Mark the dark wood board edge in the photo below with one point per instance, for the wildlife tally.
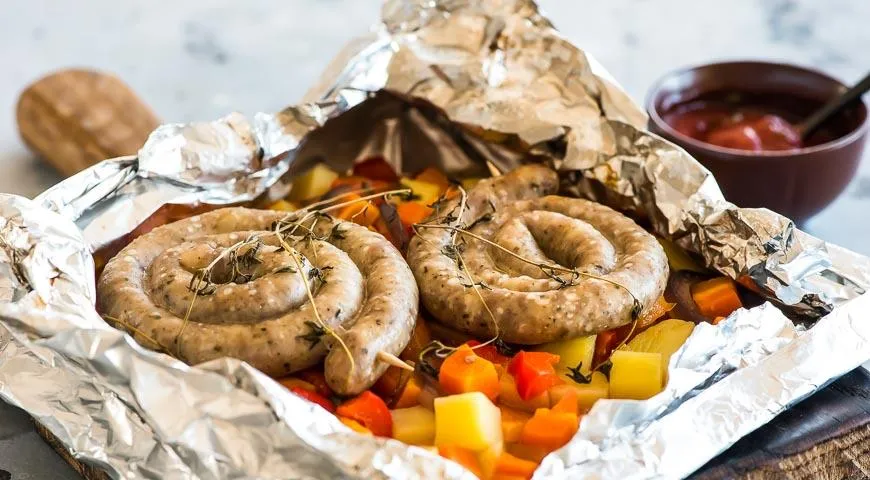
(86, 471)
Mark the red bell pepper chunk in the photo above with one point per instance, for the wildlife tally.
(534, 372)
(315, 398)
(370, 411)
(488, 352)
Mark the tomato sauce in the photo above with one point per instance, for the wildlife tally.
(746, 121)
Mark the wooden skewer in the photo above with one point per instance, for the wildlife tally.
(395, 361)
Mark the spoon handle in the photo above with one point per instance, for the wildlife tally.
(819, 116)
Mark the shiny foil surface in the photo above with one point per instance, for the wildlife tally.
(470, 86)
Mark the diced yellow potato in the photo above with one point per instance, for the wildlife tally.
(428, 192)
(635, 375)
(577, 351)
(469, 420)
(284, 206)
(665, 337)
(468, 183)
(678, 259)
(587, 393)
(414, 426)
(313, 183)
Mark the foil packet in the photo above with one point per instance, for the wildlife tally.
(467, 86)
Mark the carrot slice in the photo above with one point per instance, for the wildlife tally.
(716, 297)
(462, 456)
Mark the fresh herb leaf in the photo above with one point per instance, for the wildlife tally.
(314, 335)
(503, 348)
(576, 375)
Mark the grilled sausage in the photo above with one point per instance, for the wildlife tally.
(531, 302)
(256, 307)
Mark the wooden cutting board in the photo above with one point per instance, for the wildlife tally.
(75, 118)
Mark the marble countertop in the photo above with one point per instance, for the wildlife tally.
(200, 59)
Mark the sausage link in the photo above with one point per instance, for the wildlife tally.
(529, 284)
(259, 311)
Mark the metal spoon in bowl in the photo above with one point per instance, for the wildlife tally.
(811, 123)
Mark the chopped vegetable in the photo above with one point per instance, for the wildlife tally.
(376, 168)
(434, 176)
(678, 259)
(463, 456)
(391, 384)
(425, 193)
(293, 382)
(567, 403)
(468, 420)
(509, 396)
(411, 213)
(534, 372)
(587, 393)
(665, 338)
(509, 465)
(550, 429)
(635, 375)
(414, 426)
(361, 213)
(512, 422)
(605, 342)
(315, 377)
(410, 394)
(574, 352)
(313, 183)
(283, 206)
(488, 352)
(716, 297)
(657, 311)
(463, 371)
(533, 453)
(370, 411)
(355, 426)
(314, 397)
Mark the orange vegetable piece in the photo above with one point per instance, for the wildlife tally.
(315, 397)
(657, 311)
(462, 456)
(509, 465)
(411, 213)
(391, 384)
(512, 423)
(355, 426)
(489, 352)
(410, 394)
(370, 411)
(361, 213)
(434, 176)
(293, 382)
(550, 429)
(532, 453)
(463, 371)
(716, 320)
(315, 377)
(567, 404)
(716, 297)
(508, 395)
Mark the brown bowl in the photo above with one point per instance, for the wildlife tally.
(796, 183)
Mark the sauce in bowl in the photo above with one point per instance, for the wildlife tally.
(744, 121)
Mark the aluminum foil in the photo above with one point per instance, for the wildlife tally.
(471, 83)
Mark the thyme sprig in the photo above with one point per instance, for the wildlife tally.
(552, 271)
(202, 282)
